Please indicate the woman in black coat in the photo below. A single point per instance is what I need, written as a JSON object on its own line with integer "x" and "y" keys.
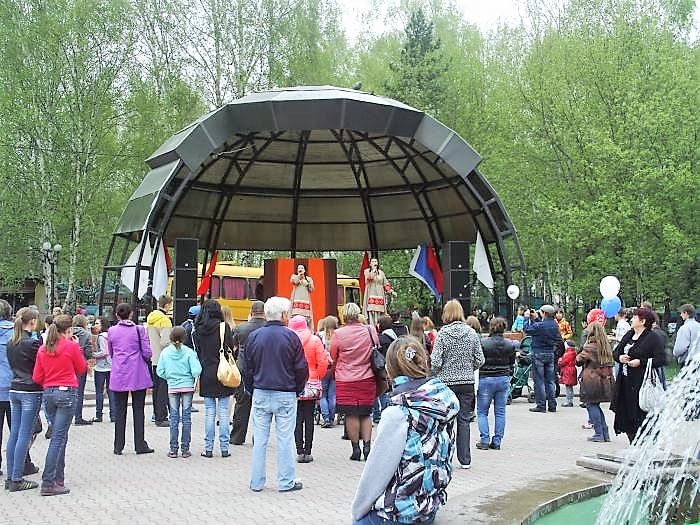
{"x": 207, "y": 342}
{"x": 634, "y": 350}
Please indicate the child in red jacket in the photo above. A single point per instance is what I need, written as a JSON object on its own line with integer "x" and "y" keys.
{"x": 567, "y": 367}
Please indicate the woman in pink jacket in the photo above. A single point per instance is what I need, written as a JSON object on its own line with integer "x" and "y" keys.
{"x": 355, "y": 386}
{"x": 316, "y": 358}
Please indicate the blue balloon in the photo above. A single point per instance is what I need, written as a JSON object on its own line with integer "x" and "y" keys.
{"x": 610, "y": 305}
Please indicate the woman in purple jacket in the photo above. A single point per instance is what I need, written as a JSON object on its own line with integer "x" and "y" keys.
{"x": 131, "y": 353}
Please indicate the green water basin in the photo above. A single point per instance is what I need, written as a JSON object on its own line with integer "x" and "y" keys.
{"x": 582, "y": 513}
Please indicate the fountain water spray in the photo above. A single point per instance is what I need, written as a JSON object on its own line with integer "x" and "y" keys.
{"x": 659, "y": 481}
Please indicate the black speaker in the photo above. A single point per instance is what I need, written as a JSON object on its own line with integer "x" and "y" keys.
{"x": 182, "y": 307}
{"x": 186, "y": 253}
{"x": 458, "y": 284}
{"x": 185, "y": 283}
{"x": 456, "y": 256}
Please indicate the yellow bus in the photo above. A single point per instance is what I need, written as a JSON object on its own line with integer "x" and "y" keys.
{"x": 238, "y": 286}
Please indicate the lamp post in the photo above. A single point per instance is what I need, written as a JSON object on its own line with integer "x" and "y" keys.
{"x": 50, "y": 256}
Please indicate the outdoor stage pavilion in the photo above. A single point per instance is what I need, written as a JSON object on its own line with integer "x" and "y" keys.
{"x": 315, "y": 169}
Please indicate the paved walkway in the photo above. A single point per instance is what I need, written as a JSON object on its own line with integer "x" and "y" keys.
{"x": 538, "y": 459}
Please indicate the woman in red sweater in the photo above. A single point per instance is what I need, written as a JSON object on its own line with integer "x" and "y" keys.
{"x": 58, "y": 365}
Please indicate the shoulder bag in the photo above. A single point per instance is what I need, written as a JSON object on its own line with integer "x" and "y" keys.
{"x": 227, "y": 373}
{"x": 378, "y": 361}
{"x": 652, "y": 396}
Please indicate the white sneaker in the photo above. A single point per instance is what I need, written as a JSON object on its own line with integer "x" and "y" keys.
{"x": 466, "y": 467}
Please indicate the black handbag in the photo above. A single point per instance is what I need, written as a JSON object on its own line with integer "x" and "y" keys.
{"x": 378, "y": 361}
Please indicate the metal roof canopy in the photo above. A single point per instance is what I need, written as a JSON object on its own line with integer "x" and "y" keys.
{"x": 317, "y": 168}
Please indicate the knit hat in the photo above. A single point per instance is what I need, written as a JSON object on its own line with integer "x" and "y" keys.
{"x": 298, "y": 323}
{"x": 596, "y": 316}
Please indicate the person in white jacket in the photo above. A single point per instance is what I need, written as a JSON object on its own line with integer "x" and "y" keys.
{"x": 686, "y": 334}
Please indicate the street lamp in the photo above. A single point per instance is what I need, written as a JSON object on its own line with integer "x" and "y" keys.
{"x": 50, "y": 257}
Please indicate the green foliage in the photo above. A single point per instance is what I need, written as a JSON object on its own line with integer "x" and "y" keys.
{"x": 585, "y": 115}
{"x": 416, "y": 77}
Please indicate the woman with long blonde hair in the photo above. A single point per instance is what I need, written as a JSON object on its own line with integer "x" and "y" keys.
{"x": 597, "y": 380}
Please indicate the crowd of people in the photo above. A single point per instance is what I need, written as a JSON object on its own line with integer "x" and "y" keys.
{"x": 419, "y": 385}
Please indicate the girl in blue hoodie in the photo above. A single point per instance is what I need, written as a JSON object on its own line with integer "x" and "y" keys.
{"x": 179, "y": 366}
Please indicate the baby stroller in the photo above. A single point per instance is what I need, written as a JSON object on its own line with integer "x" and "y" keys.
{"x": 521, "y": 374}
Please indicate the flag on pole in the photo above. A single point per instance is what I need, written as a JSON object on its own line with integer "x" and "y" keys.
{"x": 481, "y": 264}
{"x": 160, "y": 272}
{"x": 206, "y": 280}
{"x": 425, "y": 267}
{"x": 363, "y": 266}
{"x": 168, "y": 260}
{"x": 129, "y": 271}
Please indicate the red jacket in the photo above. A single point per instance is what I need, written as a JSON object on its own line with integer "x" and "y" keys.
{"x": 567, "y": 366}
{"x": 60, "y": 368}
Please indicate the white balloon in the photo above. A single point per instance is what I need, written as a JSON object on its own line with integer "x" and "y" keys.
{"x": 513, "y": 291}
{"x": 609, "y": 286}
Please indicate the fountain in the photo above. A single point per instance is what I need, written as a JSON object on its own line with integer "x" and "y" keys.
{"x": 658, "y": 479}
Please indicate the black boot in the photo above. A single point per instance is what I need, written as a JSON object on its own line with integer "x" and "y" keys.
{"x": 365, "y": 448}
{"x": 356, "y": 454}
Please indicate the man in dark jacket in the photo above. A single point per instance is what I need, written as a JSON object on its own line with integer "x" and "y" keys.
{"x": 545, "y": 341}
{"x": 276, "y": 372}
{"x": 241, "y": 413}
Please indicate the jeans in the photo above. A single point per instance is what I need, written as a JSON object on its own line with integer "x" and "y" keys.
{"x": 177, "y": 400}
{"x": 82, "y": 379}
{"x": 465, "y": 395}
{"x": 138, "y": 400}
{"x": 241, "y": 416}
{"x": 492, "y": 389}
{"x": 4, "y": 415}
{"x": 328, "y": 398}
{"x": 569, "y": 394}
{"x": 544, "y": 377}
{"x": 380, "y": 404}
{"x": 304, "y": 430}
{"x": 216, "y": 407}
{"x": 597, "y": 418}
{"x": 102, "y": 382}
{"x": 372, "y": 518}
{"x": 24, "y": 411}
{"x": 60, "y": 404}
{"x": 160, "y": 396}
{"x": 49, "y": 421}
{"x": 283, "y": 406}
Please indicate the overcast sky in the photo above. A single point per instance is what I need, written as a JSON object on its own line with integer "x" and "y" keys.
{"x": 486, "y": 14}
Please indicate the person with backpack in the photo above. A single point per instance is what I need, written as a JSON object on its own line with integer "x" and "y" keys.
{"x": 179, "y": 367}
{"x": 413, "y": 437}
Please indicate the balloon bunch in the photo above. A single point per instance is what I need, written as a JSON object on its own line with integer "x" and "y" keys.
{"x": 609, "y": 288}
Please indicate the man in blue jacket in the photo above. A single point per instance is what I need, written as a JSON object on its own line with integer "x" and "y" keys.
{"x": 276, "y": 372}
{"x": 545, "y": 340}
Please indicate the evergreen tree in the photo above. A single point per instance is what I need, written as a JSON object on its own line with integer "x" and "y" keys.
{"x": 417, "y": 77}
